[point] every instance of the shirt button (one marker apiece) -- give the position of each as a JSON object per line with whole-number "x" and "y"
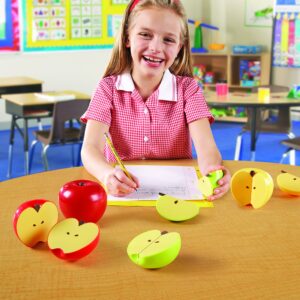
{"x": 146, "y": 139}
{"x": 145, "y": 111}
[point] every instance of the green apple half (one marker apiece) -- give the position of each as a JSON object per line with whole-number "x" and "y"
{"x": 208, "y": 183}
{"x": 174, "y": 209}
{"x": 72, "y": 240}
{"x": 154, "y": 249}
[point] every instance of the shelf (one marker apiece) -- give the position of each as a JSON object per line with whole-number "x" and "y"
{"x": 231, "y": 119}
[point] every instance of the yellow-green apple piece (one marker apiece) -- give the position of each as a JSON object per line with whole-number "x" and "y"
{"x": 154, "y": 249}
{"x": 174, "y": 209}
{"x": 208, "y": 183}
{"x": 72, "y": 240}
{"x": 289, "y": 183}
{"x": 252, "y": 186}
{"x": 33, "y": 224}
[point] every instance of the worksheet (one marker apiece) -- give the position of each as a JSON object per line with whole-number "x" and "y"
{"x": 177, "y": 181}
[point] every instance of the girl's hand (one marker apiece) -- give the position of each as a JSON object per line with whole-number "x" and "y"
{"x": 118, "y": 184}
{"x": 224, "y": 182}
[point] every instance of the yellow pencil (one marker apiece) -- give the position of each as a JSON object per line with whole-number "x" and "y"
{"x": 116, "y": 155}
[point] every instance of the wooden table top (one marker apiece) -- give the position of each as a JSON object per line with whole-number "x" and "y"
{"x": 16, "y": 81}
{"x": 29, "y": 99}
{"x": 249, "y": 99}
{"x": 227, "y": 252}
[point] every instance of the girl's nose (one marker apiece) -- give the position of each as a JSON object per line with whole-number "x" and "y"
{"x": 155, "y": 45}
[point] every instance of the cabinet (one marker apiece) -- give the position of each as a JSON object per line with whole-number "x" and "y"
{"x": 226, "y": 67}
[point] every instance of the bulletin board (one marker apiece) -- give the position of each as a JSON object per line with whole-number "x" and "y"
{"x": 51, "y": 25}
{"x": 286, "y": 34}
{"x": 9, "y": 25}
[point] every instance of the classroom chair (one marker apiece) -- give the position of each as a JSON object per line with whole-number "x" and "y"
{"x": 293, "y": 145}
{"x": 62, "y": 131}
{"x": 282, "y": 124}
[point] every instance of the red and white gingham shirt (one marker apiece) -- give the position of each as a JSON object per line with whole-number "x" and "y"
{"x": 153, "y": 129}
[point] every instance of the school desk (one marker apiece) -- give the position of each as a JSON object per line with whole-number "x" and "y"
{"x": 228, "y": 252}
{"x": 15, "y": 85}
{"x": 23, "y": 106}
{"x": 251, "y": 102}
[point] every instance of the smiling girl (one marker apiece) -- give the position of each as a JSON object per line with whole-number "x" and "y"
{"x": 148, "y": 100}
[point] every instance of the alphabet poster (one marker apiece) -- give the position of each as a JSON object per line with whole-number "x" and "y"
{"x": 68, "y": 25}
{"x": 9, "y": 25}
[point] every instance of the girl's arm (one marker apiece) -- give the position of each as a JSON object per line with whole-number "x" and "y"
{"x": 92, "y": 154}
{"x": 208, "y": 155}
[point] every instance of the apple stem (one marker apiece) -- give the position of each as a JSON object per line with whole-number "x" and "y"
{"x": 81, "y": 183}
{"x": 37, "y": 207}
{"x": 164, "y": 232}
{"x": 81, "y": 222}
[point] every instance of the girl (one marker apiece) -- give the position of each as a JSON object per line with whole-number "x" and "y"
{"x": 148, "y": 100}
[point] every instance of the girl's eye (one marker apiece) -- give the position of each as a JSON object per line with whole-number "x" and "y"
{"x": 145, "y": 34}
{"x": 169, "y": 40}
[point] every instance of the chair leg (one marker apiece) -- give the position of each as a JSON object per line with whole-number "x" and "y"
{"x": 238, "y": 146}
{"x": 285, "y": 154}
{"x": 292, "y": 157}
{"x": 44, "y": 157}
{"x": 79, "y": 155}
{"x": 40, "y": 125}
{"x": 10, "y": 153}
{"x": 31, "y": 154}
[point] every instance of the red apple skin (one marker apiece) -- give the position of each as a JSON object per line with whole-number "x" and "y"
{"x": 84, "y": 200}
{"x": 77, "y": 254}
{"x": 22, "y": 207}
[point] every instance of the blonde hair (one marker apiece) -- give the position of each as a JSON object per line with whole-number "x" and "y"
{"x": 121, "y": 60}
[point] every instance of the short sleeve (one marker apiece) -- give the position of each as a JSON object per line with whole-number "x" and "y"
{"x": 100, "y": 106}
{"x": 195, "y": 103}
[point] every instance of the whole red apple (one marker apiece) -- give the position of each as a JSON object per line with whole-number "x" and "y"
{"x": 84, "y": 200}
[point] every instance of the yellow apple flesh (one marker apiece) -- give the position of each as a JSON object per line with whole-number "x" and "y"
{"x": 174, "y": 209}
{"x": 33, "y": 226}
{"x": 252, "y": 186}
{"x": 289, "y": 183}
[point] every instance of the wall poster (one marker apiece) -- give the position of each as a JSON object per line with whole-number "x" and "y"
{"x": 68, "y": 25}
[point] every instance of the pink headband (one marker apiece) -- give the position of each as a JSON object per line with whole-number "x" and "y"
{"x": 135, "y": 2}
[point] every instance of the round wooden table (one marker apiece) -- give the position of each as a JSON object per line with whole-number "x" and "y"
{"x": 228, "y": 252}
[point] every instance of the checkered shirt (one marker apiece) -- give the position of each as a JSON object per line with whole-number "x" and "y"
{"x": 153, "y": 129}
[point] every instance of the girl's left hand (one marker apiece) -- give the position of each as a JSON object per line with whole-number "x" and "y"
{"x": 224, "y": 182}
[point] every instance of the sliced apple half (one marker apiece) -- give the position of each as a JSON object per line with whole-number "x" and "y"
{"x": 72, "y": 240}
{"x": 208, "y": 183}
{"x": 289, "y": 183}
{"x": 33, "y": 221}
{"x": 174, "y": 209}
{"x": 154, "y": 249}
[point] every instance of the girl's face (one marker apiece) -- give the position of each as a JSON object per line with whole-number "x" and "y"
{"x": 154, "y": 41}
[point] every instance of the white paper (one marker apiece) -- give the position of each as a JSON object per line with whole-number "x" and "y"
{"x": 176, "y": 181}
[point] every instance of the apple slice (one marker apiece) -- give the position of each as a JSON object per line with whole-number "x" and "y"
{"x": 174, "y": 209}
{"x": 208, "y": 183}
{"x": 33, "y": 221}
{"x": 72, "y": 240}
{"x": 289, "y": 183}
{"x": 154, "y": 249}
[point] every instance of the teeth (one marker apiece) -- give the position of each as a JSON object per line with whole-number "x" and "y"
{"x": 152, "y": 59}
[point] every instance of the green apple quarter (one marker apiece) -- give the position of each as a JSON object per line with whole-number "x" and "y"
{"x": 154, "y": 249}
{"x": 174, "y": 209}
{"x": 208, "y": 183}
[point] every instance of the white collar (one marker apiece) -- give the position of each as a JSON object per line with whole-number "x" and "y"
{"x": 167, "y": 89}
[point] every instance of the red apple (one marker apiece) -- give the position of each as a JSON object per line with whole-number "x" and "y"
{"x": 72, "y": 240}
{"x": 84, "y": 200}
{"x": 33, "y": 221}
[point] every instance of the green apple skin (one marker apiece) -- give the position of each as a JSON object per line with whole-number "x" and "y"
{"x": 208, "y": 183}
{"x": 176, "y": 210}
{"x": 154, "y": 249}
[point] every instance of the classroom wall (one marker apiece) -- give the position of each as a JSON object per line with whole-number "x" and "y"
{"x": 80, "y": 70}
{"x": 74, "y": 70}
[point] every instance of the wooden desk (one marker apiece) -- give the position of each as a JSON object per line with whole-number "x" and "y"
{"x": 24, "y": 106}
{"x": 250, "y": 101}
{"x": 227, "y": 252}
{"x": 15, "y": 85}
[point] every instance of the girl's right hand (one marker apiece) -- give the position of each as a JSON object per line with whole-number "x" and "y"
{"x": 118, "y": 184}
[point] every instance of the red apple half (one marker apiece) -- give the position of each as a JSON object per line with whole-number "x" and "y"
{"x": 84, "y": 200}
{"x": 33, "y": 221}
{"x": 72, "y": 240}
